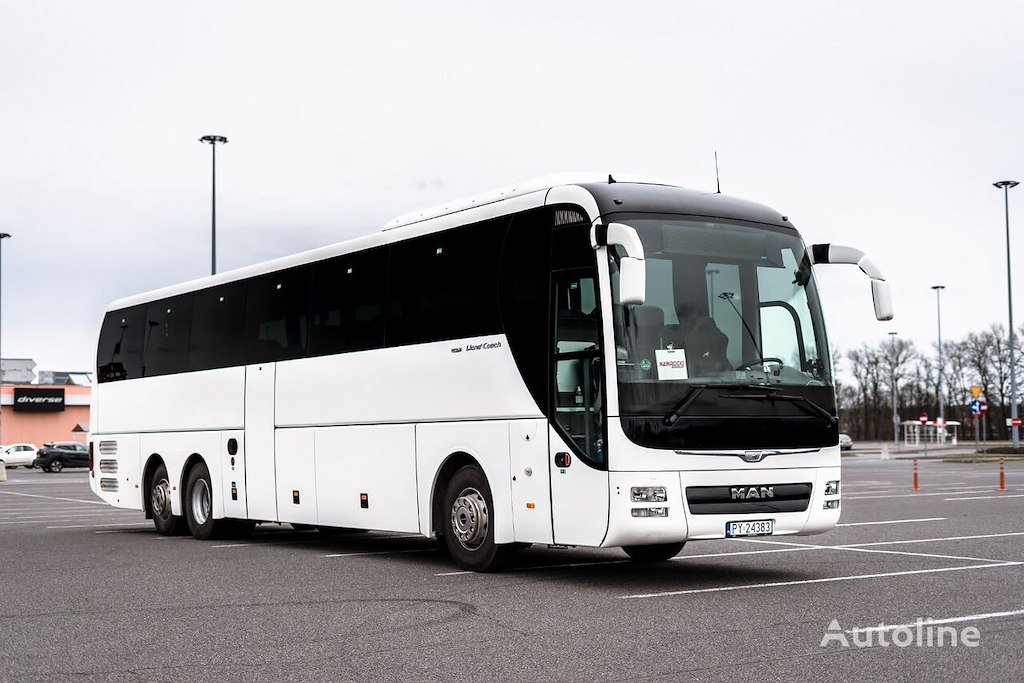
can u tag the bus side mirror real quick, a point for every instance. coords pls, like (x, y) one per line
(880, 292)
(632, 267)
(882, 297)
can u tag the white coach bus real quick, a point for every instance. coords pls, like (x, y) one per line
(566, 362)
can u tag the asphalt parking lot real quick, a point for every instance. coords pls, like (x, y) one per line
(90, 592)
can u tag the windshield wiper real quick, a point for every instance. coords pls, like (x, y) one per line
(805, 404)
(672, 416)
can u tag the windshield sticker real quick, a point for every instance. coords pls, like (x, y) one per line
(671, 364)
(645, 364)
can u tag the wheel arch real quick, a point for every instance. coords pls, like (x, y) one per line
(154, 461)
(452, 464)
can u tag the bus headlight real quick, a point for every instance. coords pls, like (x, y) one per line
(831, 488)
(648, 494)
(832, 504)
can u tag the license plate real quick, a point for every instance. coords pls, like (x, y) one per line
(754, 527)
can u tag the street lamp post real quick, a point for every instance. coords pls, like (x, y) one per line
(213, 140)
(942, 408)
(895, 416)
(3, 236)
(1005, 186)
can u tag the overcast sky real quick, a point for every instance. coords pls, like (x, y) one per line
(880, 125)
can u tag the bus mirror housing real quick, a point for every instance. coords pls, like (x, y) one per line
(632, 267)
(881, 295)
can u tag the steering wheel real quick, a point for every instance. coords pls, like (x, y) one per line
(759, 361)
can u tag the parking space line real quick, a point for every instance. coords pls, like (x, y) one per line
(935, 622)
(912, 495)
(1015, 495)
(831, 579)
(232, 545)
(95, 525)
(382, 552)
(72, 500)
(895, 521)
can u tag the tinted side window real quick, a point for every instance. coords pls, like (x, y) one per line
(218, 327)
(348, 303)
(166, 337)
(119, 354)
(277, 317)
(445, 285)
(525, 272)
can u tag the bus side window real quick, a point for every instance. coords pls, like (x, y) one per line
(276, 323)
(218, 327)
(348, 303)
(119, 354)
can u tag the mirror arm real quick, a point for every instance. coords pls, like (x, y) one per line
(834, 253)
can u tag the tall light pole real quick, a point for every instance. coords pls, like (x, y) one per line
(3, 236)
(213, 140)
(938, 310)
(1005, 186)
(711, 273)
(895, 416)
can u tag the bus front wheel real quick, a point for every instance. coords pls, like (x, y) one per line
(653, 553)
(165, 522)
(469, 522)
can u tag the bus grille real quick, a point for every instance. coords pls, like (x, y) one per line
(108, 447)
(719, 500)
(108, 484)
(108, 466)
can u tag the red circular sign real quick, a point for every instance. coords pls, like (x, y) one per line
(984, 407)
(923, 417)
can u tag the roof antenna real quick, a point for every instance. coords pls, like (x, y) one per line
(718, 182)
(610, 179)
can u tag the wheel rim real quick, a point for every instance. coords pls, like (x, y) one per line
(470, 518)
(201, 502)
(56, 466)
(160, 499)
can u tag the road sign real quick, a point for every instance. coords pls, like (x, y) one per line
(984, 407)
(975, 392)
(975, 407)
(923, 417)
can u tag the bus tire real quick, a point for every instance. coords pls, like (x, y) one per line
(653, 553)
(166, 523)
(198, 504)
(469, 522)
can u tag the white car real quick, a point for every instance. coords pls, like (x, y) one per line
(18, 454)
(845, 442)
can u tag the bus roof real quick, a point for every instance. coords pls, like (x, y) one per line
(618, 194)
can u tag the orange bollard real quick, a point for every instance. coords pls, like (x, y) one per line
(917, 483)
(1002, 475)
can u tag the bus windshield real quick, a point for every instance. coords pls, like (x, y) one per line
(727, 304)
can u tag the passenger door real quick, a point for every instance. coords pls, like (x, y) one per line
(578, 461)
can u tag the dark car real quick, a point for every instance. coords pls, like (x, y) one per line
(53, 457)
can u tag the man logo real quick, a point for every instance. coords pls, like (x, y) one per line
(757, 456)
(748, 492)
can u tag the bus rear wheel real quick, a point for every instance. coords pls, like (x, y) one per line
(198, 504)
(653, 553)
(469, 522)
(165, 522)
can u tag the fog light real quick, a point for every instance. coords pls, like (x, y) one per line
(831, 504)
(831, 488)
(650, 512)
(648, 494)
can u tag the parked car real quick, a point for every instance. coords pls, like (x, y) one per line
(18, 454)
(845, 442)
(53, 457)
